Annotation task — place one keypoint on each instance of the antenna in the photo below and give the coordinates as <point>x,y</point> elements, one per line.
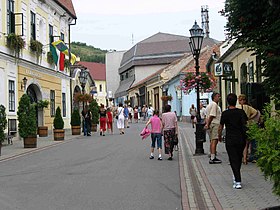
<point>205,20</point>
<point>132,39</point>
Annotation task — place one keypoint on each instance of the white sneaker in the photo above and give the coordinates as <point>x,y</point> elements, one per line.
<point>238,185</point>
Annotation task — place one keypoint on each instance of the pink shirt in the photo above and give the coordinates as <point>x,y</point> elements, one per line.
<point>155,123</point>
<point>169,120</point>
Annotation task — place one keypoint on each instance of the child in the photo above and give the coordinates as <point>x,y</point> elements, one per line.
<point>156,134</point>
<point>110,120</point>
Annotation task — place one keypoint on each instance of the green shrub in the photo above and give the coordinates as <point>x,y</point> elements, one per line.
<point>94,108</point>
<point>27,125</point>
<point>15,42</point>
<point>58,122</point>
<point>268,146</point>
<point>3,122</point>
<point>75,118</point>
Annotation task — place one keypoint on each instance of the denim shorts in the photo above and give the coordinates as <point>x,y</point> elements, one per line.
<point>156,137</point>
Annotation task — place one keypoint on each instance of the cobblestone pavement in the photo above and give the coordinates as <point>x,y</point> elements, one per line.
<point>215,180</point>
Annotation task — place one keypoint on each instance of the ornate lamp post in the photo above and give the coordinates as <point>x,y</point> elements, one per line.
<point>83,80</point>
<point>196,40</point>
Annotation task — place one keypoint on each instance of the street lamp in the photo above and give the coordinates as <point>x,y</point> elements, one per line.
<point>196,40</point>
<point>83,80</point>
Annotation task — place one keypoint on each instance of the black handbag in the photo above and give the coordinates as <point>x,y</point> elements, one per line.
<point>175,140</point>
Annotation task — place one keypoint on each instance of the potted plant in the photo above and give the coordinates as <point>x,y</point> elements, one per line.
<point>27,125</point>
<point>166,98</point>
<point>58,124</point>
<point>50,58</point>
<point>15,42</point>
<point>36,47</point>
<point>42,130</point>
<point>3,124</point>
<point>94,109</point>
<point>76,122</point>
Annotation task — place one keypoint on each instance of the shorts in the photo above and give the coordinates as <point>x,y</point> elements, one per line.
<point>213,132</point>
<point>156,137</point>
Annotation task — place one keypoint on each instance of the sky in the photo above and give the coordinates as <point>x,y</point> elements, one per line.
<point>120,24</point>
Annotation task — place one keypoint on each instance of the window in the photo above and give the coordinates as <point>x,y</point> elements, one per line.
<point>100,88</point>
<point>51,34</point>
<point>251,72</point>
<point>63,105</point>
<point>258,69</point>
<point>32,26</point>
<point>10,17</point>
<point>62,36</point>
<point>52,103</point>
<point>11,95</point>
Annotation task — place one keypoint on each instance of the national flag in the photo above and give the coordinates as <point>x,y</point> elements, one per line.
<point>60,45</point>
<point>61,61</point>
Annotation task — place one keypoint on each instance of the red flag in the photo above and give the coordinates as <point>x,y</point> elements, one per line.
<point>61,61</point>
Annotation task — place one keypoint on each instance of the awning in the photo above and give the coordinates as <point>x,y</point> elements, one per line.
<point>123,87</point>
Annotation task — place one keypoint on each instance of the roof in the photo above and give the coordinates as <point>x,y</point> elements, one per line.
<point>123,87</point>
<point>68,6</point>
<point>161,48</point>
<point>96,70</point>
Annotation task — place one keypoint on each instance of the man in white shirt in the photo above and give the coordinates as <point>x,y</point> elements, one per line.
<point>213,118</point>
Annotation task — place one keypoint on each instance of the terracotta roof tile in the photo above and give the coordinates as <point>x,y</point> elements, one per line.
<point>96,70</point>
<point>68,6</point>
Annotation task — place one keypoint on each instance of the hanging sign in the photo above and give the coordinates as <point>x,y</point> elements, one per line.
<point>218,70</point>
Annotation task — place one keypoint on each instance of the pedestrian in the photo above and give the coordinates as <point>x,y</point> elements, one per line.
<point>213,118</point>
<point>136,114</point>
<point>102,120</point>
<point>193,113</point>
<point>110,119</point>
<point>156,134</point>
<point>251,114</point>
<point>150,111</point>
<point>84,113</point>
<point>170,129</point>
<point>144,112</point>
<point>120,121</point>
<point>202,113</point>
<point>130,114</point>
<point>234,120</point>
<point>126,116</point>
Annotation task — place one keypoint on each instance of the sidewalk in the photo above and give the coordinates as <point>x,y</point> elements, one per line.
<point>215,180</point>
<point>16,149</point>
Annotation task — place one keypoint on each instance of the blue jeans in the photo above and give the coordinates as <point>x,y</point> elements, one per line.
<point>156,137</point>
<point>85,128</point>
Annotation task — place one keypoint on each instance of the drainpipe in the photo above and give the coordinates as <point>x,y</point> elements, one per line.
<point>71,71</point>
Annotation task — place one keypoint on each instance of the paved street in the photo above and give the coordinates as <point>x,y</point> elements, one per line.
<point>114,172</point>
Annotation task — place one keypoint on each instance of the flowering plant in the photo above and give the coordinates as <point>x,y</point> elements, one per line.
<point>206,82</point>
<point>166,98</point>
<point>79,97</point>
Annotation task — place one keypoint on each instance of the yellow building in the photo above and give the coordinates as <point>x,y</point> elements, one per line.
<point>30,71</point>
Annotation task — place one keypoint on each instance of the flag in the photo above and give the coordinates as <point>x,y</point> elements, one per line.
<point>61,61</point>
<point>60,45</point>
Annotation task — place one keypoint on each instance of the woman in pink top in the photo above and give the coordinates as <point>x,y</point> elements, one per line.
<point>155,134</point>
<point>170,129</point>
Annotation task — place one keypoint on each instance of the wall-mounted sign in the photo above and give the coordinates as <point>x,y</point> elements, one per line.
<point>218,71</point>
<point>223,69</point>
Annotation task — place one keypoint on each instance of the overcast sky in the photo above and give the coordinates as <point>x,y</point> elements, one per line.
<point>118,25</point>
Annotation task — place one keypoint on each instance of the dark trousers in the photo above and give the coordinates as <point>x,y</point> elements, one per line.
<point>235,154</point>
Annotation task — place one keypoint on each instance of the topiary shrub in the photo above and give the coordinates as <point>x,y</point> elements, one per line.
<point>3,122</point>
<point>27,125</point>
<point>268,145</point>
<point>75,118</point>
<point>94,108</point>
<point>58,122</point>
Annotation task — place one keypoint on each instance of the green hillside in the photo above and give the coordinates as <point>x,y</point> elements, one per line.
<point>88,53</point>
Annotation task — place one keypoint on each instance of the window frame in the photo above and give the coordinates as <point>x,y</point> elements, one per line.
<point>63,97</point>
<point>52,103</point>
<point>10,16</point>
<point>12,96</point>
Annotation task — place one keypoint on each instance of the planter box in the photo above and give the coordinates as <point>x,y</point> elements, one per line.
<point>76,130</point>
<point>43,131</point>
<point>30,142</point>
<point>58,134</point>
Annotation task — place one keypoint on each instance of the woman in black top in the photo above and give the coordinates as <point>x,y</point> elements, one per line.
<point>234,120</point>
<point>102,119</point>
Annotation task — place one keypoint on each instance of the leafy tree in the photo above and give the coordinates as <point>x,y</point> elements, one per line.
<point>256,26</point>
<point>94,109</point>
<point>3,122</point>
<point>26,117</point>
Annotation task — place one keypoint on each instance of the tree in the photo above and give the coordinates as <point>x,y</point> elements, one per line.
<point>256,26</point>
<point>58,122</point>
<point>3,122</point>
